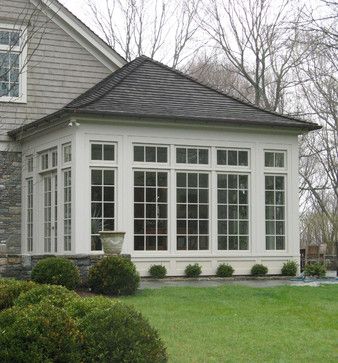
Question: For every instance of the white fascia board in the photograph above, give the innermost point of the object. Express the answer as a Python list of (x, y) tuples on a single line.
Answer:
[(81, 33)]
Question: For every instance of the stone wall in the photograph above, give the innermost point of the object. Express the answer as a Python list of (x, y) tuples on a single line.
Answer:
[(20, 266), (10, 201)]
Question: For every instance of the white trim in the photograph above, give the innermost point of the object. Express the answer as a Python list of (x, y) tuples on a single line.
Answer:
[(68, 22)]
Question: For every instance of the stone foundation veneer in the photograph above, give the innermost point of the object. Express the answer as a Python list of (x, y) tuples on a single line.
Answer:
[(10, 200), (20, 266)]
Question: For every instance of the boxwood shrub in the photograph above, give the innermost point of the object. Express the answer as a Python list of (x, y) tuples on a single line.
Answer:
[(259, 270), (56, 271), (114, 275), (290, 268), (115, 332), (316, 269), (193, 270), (54, 295), (157, 271), (39, 333), (224, 270), (10, 289)]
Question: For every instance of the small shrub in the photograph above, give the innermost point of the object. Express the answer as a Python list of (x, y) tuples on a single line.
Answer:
[(224, 270), (158, 271), (193, 270), (114, 275), (259, 270), (317, 269), (290, 268), (38, 333), (10, 289), (54, 295), (56, 271), (115, 332)]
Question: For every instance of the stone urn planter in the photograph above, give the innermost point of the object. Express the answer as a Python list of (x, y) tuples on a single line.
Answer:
[(112, 242)]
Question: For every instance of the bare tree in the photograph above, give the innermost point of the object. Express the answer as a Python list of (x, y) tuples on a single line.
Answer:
[(161, 28), (259, 41)]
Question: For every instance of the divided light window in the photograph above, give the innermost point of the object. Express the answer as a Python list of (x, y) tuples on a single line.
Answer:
[(192, 211), (233, 211), (275, 212), (232, 157), (151, 154), (9, 63), (30, 164), (67, 207), (30, 215), (49, 159), (102, 204), (150, 211), (67, 153), (104, 152), (192, 155), (274, 159)]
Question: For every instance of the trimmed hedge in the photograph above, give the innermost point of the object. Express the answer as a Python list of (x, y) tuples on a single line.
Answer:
[(193, 270), (316, 269), (54, 295), (114, 275), (115, 332), (259, 270), (56, 271), (10, 289), (39, 333), (224, 270), (290, 268), (157, 271)]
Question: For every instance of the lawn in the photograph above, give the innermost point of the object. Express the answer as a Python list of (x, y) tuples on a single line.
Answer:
[(243, 324)]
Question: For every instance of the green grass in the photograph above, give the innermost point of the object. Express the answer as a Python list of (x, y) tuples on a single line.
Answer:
[(242, 324)]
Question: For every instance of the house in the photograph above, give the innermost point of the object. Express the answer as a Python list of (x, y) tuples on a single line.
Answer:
[(187, 172)]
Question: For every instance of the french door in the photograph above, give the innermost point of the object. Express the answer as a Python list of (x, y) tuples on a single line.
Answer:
[(50, 210)]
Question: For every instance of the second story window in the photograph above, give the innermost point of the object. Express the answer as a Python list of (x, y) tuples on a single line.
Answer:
[(274, 159), (11, 64), (103, 152)]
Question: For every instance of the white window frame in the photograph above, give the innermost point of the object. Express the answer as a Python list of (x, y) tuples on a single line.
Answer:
[(49, 153), (227, 165), (66, 163), (67, 204), (273, 169), (194, 165), (30, 214), (155, 163), (102, 161), (22, 50)]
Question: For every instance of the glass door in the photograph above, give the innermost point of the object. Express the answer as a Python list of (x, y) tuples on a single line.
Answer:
[(50, 202)]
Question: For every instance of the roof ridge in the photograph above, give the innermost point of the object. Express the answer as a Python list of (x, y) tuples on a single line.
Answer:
[(223, 93), (136, 63)]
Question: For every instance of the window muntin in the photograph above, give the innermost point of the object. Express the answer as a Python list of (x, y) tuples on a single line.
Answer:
[(102, 204), (67, 210), (50, 202), (274, 159), (29, 215), (49, 159), (103, 152), (192, 211), (67, 153), (150, 154), (192, 155), (233, 211), (9, 63), (150, 210), (275, 212), (232, 157)]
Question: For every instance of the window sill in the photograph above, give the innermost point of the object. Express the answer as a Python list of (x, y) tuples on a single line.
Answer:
[(20, 100)]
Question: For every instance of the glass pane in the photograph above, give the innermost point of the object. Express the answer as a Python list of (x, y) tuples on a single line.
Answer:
[(279, 160), (203, 195), (222, 196), (138, 153), (192, 243), (269, 159), (279, 198), (151, 210), (232, 157), (243, 181), (233, 227), (233, 181), (181, 227), (222, 181), (269, 198), (96, 193), (181, 195), (108, 177), (270, 227), (279, 182), (280, 243), (222, 212), (204, 242), (96, 210), (4, 37), (150, 178), (203, 227), (139, 210), (203, 211), (222, 227), (270, 242), (192, 227), (109, 194), (150, 226), (233, 196), (181, 211), (192, 211), (203, 180), (109, 210), (96, 244), (181, 243), (233, 242), (108, 224), (150, 154), (139, 178), (181, 179), (243, 227), (243, 158), (139, 194), (243, 212), (151, 195), (96, 152), (181, 155), (192, 156), (96, 177), (203, 156), (161, 154), (222, 243), (162, 179), (139, 243), (162, 195), (280, 228), (221, 157), (243, 197), (269, 182), (162, 243), (243, 242), (151, 243), (269, 212), (279, 212), (192, 180), (233, 212), (108, 152), (162, 210)]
